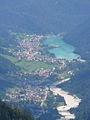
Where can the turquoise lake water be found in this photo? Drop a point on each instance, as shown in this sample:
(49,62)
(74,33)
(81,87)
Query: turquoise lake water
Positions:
(63,50)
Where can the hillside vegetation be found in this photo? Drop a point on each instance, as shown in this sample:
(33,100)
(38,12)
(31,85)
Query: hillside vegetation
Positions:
(43,16)
(12,113)
(80,38)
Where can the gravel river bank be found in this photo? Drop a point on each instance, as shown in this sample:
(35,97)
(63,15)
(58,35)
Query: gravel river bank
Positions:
(72,101)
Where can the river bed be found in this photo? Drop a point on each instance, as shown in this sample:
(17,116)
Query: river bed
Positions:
(72,101)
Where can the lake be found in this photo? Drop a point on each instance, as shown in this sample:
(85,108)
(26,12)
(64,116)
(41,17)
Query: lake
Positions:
(62,49)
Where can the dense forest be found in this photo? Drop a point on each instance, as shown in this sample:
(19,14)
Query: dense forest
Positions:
(80,38)
(43,16)
(8,112)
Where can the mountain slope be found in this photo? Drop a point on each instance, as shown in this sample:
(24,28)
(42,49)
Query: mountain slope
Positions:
(12,113)
(80,37)
(43,16)
(80,85)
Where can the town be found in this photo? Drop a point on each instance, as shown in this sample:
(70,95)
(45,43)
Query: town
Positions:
(35,84)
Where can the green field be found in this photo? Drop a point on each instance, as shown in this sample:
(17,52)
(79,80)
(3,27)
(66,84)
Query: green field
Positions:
(11,58)
(27,66)
(30,66)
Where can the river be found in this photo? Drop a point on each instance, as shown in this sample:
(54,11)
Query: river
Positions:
(72,101)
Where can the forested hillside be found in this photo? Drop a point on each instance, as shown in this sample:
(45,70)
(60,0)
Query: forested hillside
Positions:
(43,16)
(80,37)
(6,66)
(12,113)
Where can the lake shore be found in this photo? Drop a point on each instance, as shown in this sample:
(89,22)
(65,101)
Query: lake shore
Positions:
(61,50)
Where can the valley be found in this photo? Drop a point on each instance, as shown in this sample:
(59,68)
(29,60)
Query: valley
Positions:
(45,59)
(38,70)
